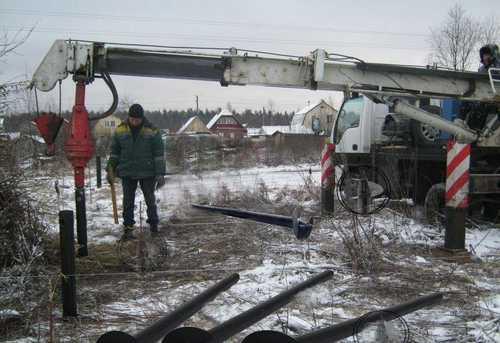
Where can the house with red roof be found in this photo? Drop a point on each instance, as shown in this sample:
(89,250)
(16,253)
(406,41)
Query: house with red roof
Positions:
(226,125)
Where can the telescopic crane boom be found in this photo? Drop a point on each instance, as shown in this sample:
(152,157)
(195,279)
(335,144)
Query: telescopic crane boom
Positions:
(317,71)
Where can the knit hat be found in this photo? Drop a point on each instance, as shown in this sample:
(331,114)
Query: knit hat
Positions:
(491,49)
(136,111)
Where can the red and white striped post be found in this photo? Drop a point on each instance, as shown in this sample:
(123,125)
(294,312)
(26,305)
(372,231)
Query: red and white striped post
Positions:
(327,179)
(457,194)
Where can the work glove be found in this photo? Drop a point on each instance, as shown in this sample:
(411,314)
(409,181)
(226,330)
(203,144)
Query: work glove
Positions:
(159,181)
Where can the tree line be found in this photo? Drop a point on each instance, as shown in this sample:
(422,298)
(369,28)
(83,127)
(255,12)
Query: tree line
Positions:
(168,119)
(174,119)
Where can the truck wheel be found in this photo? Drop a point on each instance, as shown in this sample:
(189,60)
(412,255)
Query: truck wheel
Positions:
(490,209)
(434,204)
(424,134)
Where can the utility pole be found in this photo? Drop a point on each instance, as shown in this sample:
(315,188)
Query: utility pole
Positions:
(197,105)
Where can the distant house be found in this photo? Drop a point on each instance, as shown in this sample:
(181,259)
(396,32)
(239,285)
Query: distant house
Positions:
(272,129)
(268,130)
(314,119)
(105,127)
(226,125)
(254,131)
(194,125)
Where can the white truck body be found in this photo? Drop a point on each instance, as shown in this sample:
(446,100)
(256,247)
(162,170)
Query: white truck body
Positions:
(359,126)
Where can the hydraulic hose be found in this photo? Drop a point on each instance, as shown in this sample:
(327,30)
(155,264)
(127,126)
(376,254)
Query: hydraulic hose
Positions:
(107,79)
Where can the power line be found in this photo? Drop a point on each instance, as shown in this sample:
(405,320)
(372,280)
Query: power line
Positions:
(208,99)
(231,39)
(108,17)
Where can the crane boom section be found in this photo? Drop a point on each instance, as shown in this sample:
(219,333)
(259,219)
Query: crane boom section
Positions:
(315,71)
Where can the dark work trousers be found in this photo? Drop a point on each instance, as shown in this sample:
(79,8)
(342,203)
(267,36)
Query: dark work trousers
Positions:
(148,189)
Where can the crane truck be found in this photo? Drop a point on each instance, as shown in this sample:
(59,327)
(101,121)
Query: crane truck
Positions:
(390,95)
(413,155)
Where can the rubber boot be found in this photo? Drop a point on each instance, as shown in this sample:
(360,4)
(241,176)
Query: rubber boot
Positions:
(128,233)
(154,229)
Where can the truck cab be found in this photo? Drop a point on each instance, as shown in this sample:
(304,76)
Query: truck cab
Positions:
(359,125)
(408,152)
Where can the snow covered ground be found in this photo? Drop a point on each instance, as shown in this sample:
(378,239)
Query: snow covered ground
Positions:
(178,188)
(269,260)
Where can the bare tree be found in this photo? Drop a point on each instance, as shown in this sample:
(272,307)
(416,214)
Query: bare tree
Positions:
(454,43)
(9,91)
(490,30)
(10,42)
(124,103)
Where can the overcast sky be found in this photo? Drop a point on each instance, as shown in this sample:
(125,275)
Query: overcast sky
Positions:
(391,31)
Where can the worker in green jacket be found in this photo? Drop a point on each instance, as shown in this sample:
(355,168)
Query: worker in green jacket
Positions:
(137,158)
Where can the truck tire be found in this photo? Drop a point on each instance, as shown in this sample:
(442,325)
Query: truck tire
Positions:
(424,134)
(434,204)
(490,209)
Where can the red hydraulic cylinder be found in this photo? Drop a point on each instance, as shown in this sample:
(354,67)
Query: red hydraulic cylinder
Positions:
(79,149)
(79,146)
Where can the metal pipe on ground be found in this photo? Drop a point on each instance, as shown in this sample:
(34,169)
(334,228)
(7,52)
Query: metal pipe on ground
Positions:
(246,319)
(157,330)
(300,229)
(347,328)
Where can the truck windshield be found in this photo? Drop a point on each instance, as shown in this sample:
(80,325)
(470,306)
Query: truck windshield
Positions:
(348,117)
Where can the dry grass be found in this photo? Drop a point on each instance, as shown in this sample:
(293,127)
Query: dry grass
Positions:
(195,246)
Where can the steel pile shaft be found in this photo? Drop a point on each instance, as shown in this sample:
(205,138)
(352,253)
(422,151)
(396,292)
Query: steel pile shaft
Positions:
(348,328)
(244,320)
(302,230)
(160,328)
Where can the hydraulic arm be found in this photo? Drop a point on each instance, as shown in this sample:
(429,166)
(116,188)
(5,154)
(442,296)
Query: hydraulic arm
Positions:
(317,71)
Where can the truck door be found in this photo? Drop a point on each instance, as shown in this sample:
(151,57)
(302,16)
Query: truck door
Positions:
(348,131)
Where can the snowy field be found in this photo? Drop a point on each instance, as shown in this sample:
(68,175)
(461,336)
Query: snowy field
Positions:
(179,189)
(196,249)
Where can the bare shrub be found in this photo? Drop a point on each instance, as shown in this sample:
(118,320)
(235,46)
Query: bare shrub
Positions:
(257,198)
(262,191)
(21,230)
(363,246)
(22,246)
(309,190)
(223,196)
